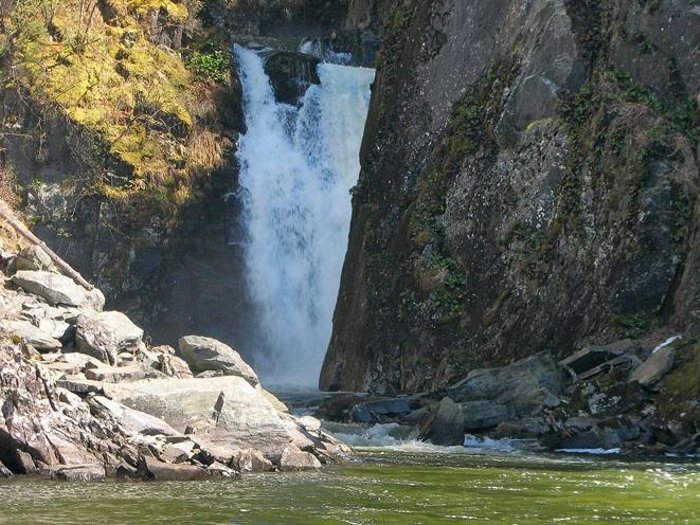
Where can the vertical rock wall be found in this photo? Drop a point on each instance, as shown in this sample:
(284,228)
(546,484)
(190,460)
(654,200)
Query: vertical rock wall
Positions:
(529,182)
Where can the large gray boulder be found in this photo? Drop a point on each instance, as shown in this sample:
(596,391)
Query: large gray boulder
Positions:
(103,335)
(204,353)
(224,414)
(482,415)
(526,387)
(57,289)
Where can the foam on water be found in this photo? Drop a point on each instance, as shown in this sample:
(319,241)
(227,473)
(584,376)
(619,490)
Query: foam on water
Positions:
(297,167)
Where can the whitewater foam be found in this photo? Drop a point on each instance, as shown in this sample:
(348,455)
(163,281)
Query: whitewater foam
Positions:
(298,165)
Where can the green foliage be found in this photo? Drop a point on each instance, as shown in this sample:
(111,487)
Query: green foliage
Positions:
(636,325)
(210,66)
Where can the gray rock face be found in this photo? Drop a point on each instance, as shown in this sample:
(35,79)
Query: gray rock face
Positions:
(54,288)
(46,430)
(655,367)
(494,207)
(204,354)
(102,335)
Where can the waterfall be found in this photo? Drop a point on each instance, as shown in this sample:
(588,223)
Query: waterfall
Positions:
(298,165)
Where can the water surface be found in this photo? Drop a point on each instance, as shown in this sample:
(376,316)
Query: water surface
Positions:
(386,487)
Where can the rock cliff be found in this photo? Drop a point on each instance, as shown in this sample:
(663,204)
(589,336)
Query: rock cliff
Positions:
(529,182)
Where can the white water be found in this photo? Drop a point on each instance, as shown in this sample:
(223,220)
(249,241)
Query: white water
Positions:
(297,168)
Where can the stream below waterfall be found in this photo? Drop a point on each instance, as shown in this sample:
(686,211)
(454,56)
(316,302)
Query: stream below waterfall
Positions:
(383,486)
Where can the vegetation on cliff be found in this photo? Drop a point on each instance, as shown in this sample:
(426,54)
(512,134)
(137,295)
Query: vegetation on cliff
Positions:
(111,68)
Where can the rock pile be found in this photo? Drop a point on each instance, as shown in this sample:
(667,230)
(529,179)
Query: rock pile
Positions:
(637,396)
(84,397)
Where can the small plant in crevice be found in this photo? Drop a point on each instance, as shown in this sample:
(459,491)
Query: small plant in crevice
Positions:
(211,66)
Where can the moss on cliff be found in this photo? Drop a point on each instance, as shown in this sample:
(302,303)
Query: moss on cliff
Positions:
(96,61)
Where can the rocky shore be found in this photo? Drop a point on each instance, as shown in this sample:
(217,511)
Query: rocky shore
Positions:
(636,397)
(84,396)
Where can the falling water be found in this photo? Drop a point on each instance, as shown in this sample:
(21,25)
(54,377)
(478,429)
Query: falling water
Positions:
(297,168)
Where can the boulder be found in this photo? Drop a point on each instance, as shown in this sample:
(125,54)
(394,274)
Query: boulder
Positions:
(310,423)
(224,414)
(103,335)
(154,470)
(219,470)
(655,367)
(52,287)
(290,73)
(79,473)
(33,258)
(447,426)
(482,415)
(173,366)
(34,336)
(379,410)
(25,462)
(525,387)
(204,354)
(250,460)
(295,459)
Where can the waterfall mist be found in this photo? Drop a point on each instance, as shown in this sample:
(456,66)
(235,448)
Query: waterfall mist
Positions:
(297,168)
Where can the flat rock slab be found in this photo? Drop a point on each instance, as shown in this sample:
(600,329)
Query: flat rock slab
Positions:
(133,421)
(34,336)
(655,367)
(80,473)
(204,354)
(116,374)
(57,289)
(224,414)
(158,471)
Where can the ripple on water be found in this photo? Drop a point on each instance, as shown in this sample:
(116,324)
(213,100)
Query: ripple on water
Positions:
(385,488)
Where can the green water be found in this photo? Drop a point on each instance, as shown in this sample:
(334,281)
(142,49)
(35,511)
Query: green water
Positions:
(384,488)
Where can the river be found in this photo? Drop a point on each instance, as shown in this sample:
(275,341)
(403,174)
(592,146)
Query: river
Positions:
(384,486)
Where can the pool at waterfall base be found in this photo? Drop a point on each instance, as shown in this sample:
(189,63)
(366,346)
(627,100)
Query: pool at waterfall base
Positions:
(384,486)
